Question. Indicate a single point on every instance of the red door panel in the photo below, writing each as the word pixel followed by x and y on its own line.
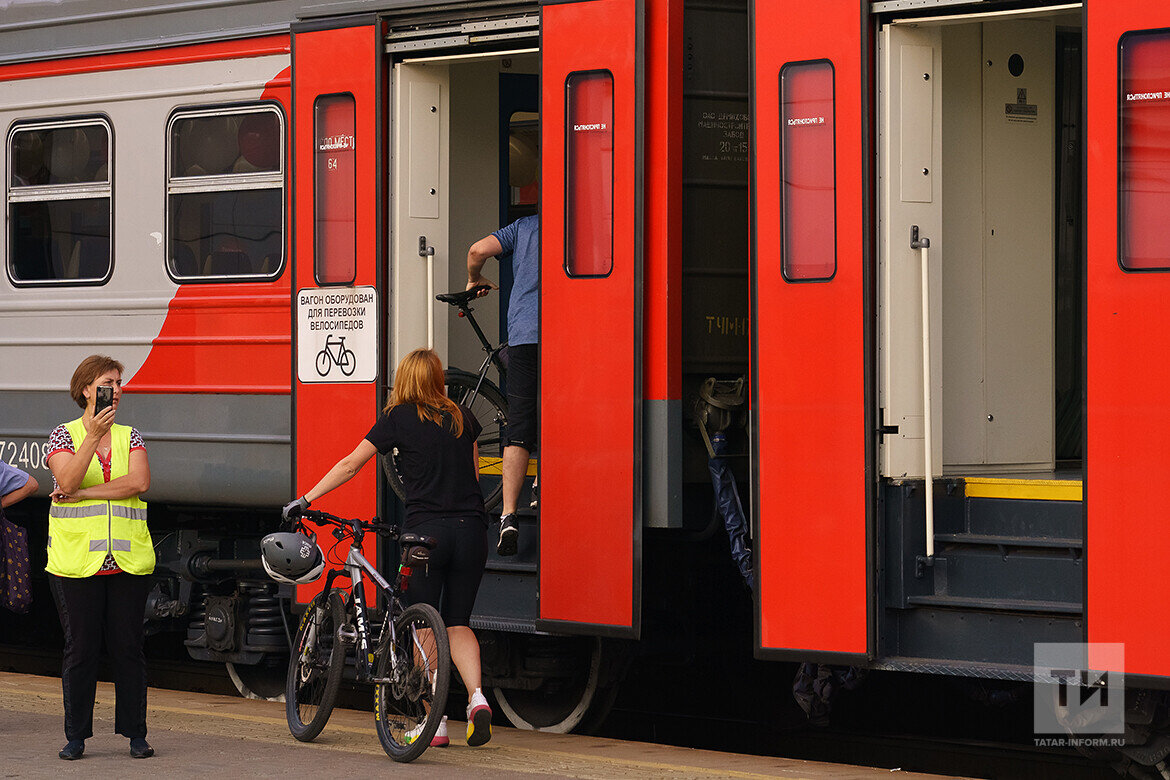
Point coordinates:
pixel 808 320
pixel 331 418
pixel 1128 408
pixel 591 316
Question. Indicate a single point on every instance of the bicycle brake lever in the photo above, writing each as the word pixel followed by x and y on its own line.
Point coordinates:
pixel 339 533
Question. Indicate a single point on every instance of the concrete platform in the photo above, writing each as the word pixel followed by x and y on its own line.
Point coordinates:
pixel 201 735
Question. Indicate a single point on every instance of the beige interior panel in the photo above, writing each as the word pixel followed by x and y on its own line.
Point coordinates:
pixel 964 419
pixel 910 169
pixel 1018 138
pixel 420 164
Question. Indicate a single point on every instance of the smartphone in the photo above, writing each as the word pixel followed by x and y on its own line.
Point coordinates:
pixel 105 398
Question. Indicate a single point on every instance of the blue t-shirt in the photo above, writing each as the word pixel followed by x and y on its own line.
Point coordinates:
pixel 521 239
pixel 11 478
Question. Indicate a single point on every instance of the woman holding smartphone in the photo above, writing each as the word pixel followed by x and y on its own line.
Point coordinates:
pixel 435 438
pixel 100 555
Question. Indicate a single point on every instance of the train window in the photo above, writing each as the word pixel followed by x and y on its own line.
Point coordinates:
pixel 1144 162
pixel 225 194
pixel 335 197
pixel 589 173
pixel 59 202
pixel 808 177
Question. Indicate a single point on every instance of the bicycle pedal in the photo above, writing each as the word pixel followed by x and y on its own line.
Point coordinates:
pixel 347 634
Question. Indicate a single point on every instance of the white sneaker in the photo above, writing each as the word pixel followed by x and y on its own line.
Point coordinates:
pixel 439 740
pixel 479 720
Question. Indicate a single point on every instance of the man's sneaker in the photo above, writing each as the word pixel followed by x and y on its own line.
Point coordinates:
pixel 509 532
pixel 479 720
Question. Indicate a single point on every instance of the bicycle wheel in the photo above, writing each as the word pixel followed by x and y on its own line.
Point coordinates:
pixel 348 362
pixel 416 668
pixel 491 410
pixel 324 362
pixel 314 671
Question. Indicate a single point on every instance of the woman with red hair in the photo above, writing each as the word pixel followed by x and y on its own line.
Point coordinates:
pixel 438 457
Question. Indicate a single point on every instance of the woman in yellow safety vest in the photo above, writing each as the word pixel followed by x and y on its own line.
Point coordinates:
pixel 100 555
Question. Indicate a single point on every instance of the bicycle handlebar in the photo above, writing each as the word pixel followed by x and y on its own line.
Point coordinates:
pixel 462 297
pixel 324 518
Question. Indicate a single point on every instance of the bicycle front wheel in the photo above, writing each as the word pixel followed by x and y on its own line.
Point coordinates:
pixel 314 671
pixel 414 670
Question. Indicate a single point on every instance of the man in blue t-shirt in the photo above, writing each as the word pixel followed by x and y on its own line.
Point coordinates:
pixel 521 239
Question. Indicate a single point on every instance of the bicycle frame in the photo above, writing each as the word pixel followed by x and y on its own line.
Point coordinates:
pixel 493 353
pixel 355 564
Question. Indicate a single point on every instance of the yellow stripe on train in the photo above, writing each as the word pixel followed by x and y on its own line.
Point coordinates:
pixel 494 467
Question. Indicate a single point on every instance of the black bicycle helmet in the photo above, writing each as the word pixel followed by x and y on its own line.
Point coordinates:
pixel 292 558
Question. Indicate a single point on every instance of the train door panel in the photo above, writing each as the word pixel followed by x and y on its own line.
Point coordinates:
pixel 809 330
pixel 421 207
pixel 911 188
pixel 336 139
pixel 591 316
pixel 1128 284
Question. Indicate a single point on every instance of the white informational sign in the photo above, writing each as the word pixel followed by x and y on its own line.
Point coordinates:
pixel 337 334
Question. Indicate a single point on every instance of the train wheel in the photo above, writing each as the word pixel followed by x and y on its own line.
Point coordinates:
pixel 260 681
pixel 577 703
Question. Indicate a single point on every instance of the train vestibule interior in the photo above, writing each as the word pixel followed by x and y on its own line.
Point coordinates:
pixel 979 148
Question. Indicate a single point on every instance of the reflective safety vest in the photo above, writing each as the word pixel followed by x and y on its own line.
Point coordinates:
pixel 81 533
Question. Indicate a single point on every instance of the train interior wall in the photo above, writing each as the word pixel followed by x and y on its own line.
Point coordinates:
pixel 980 148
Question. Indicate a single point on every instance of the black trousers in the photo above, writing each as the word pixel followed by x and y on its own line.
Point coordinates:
pixel 109 606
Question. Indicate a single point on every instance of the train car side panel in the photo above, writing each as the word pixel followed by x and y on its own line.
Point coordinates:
pixel 1128 325
pixel 808 325
pixel 591 316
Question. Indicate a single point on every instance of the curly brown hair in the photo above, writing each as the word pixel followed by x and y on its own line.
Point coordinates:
pixel 90 369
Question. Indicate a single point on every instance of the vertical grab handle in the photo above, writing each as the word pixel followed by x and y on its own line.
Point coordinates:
pixel 923 246
pixel 428 252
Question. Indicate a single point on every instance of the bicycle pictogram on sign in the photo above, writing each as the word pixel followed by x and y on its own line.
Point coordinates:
pixel 334 352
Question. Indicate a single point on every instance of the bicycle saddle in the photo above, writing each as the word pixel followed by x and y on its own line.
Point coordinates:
pixel 463 297
pixel 414 540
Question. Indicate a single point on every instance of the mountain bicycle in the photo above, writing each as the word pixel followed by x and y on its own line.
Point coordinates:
pixel 407 657
pixel 480 396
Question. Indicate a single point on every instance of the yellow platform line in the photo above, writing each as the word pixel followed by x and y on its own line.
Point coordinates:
pixel 1027 489
pixel 494 467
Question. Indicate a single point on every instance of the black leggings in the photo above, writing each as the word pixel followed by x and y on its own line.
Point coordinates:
pixel 450 581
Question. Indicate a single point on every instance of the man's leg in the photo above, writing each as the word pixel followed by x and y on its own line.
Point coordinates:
pixel 515 470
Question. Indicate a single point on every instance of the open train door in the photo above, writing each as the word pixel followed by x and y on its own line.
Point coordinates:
pixel 1128 283
pixel 591 317
pixel 809 365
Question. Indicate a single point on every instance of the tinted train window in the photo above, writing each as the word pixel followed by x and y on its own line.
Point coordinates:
pixel 808 177
pixel 59 202
pixel 1144 165
pixel 225 194
pixel 589 173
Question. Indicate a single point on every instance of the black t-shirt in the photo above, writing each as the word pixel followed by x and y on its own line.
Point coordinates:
pixel 438 469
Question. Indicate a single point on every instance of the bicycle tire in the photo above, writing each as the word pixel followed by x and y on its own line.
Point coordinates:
pixel 315 668
pixel 324 362
pixel 491 409
pixel 348 361
pixel 416 698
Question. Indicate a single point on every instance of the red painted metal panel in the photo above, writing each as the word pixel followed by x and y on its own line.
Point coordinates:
pixel 332 418
pixel 662 253
pixel 1128 414
pixel 809 360
pixel 590 482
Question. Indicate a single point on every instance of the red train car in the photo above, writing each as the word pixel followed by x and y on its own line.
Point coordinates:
pixel 954 287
